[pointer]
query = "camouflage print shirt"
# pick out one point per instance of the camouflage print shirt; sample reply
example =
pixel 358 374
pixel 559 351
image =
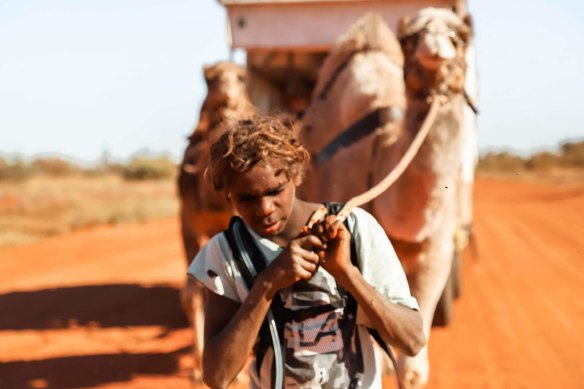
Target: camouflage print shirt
pixel 326 350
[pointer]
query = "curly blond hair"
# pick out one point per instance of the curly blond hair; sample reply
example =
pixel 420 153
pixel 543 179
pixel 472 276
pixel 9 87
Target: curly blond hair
pixel 261 140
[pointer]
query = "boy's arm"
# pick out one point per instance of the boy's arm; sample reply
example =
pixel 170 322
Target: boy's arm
pixel 230 333
pixel 400 326
pixel 397 324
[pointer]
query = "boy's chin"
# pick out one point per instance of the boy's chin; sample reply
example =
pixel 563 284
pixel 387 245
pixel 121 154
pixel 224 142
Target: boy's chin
pixel 271 230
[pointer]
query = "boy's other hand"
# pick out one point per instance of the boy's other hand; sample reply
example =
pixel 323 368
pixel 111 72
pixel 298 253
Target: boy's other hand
pixel 336 257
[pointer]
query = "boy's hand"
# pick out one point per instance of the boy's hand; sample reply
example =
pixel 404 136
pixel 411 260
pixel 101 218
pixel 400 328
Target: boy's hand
pixel 336 258
pixel 298 261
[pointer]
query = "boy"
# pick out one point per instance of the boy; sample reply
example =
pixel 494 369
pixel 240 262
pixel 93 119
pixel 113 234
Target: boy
pixel 258 164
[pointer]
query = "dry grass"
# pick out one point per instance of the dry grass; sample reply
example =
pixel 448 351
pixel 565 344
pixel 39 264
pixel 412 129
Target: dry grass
pixel 44 206
pixel 549 176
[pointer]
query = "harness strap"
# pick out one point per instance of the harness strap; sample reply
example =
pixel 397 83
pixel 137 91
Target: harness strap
pixel 328 86
pixel 364 126
pixel 471 103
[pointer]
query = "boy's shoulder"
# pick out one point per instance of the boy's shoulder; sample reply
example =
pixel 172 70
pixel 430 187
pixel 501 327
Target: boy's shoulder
pixel 362 214
pixel 362 217
pixel 214 246
pixel 356 212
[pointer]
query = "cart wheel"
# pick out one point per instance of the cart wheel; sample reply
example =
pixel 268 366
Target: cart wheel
pixel 443 312
pixel 455 274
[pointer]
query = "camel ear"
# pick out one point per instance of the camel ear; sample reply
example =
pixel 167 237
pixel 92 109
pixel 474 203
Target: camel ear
pixel 468 21
pixel 242 74
pixel 402 26
pixel 208 73
pixel 468 27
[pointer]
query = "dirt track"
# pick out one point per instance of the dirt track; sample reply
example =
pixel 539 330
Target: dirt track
pixel 99 308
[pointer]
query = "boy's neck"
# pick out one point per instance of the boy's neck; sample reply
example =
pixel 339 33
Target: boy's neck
pixel 301 212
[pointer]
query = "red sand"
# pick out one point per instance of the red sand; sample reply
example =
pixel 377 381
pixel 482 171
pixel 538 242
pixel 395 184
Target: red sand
pixel 99 308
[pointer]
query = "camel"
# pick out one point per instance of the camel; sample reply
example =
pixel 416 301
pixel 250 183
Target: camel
pixel 346 92
pixel 203 211
pixel 419 212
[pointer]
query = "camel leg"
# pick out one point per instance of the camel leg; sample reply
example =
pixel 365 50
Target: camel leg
pixel 192 295
pixel 193 302
pixel 427 284
pixel 198 321
pixel 191 247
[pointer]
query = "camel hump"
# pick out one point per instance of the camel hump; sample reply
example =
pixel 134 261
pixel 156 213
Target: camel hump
pixel 369 33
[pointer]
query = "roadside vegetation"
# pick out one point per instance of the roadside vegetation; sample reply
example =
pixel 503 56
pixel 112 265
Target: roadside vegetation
pixel 565 164
pixel 49 196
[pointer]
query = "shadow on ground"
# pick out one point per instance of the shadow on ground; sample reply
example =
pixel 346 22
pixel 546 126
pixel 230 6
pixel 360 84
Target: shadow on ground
pixel 116 305
pixel 87 371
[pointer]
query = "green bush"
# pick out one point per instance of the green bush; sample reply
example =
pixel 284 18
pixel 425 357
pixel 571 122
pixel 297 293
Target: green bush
pixel 143 167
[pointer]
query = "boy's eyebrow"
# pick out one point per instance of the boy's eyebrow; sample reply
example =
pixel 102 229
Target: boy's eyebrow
pixel 276 188
pixel 268 191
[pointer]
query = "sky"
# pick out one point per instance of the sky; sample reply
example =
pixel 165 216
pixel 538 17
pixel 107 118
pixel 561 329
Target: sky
pixel 83 78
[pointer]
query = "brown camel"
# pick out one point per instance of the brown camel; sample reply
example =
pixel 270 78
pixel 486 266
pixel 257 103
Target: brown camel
pixel 203 211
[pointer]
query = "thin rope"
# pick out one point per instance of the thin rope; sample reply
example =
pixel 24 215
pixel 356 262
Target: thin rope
pixel 393 175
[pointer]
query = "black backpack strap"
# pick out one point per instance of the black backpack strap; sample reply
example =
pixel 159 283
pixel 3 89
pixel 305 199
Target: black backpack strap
pixel 250 261
pixel 334 208
pixel 388 351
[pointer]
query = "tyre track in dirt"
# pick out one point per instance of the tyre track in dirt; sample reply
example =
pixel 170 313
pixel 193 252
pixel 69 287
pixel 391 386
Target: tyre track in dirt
pixel 99 308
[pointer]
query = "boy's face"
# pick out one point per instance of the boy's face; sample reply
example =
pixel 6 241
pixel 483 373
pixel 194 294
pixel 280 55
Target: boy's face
pixel 262 199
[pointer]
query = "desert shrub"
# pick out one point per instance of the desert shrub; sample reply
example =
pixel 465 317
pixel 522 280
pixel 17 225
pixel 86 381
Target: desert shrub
pixel 15 170
pixel 572 154
pixel 145 167
pixel 54 166
pixel 116 169
pixel 107 165
pixel 501 162
pixel 543 161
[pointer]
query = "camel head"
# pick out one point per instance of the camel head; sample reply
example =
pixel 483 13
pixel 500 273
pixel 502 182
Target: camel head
pixel 226 100
pixel 225 85
pixel 434 45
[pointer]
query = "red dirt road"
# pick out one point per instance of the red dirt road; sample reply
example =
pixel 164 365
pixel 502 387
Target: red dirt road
pixel 99 308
